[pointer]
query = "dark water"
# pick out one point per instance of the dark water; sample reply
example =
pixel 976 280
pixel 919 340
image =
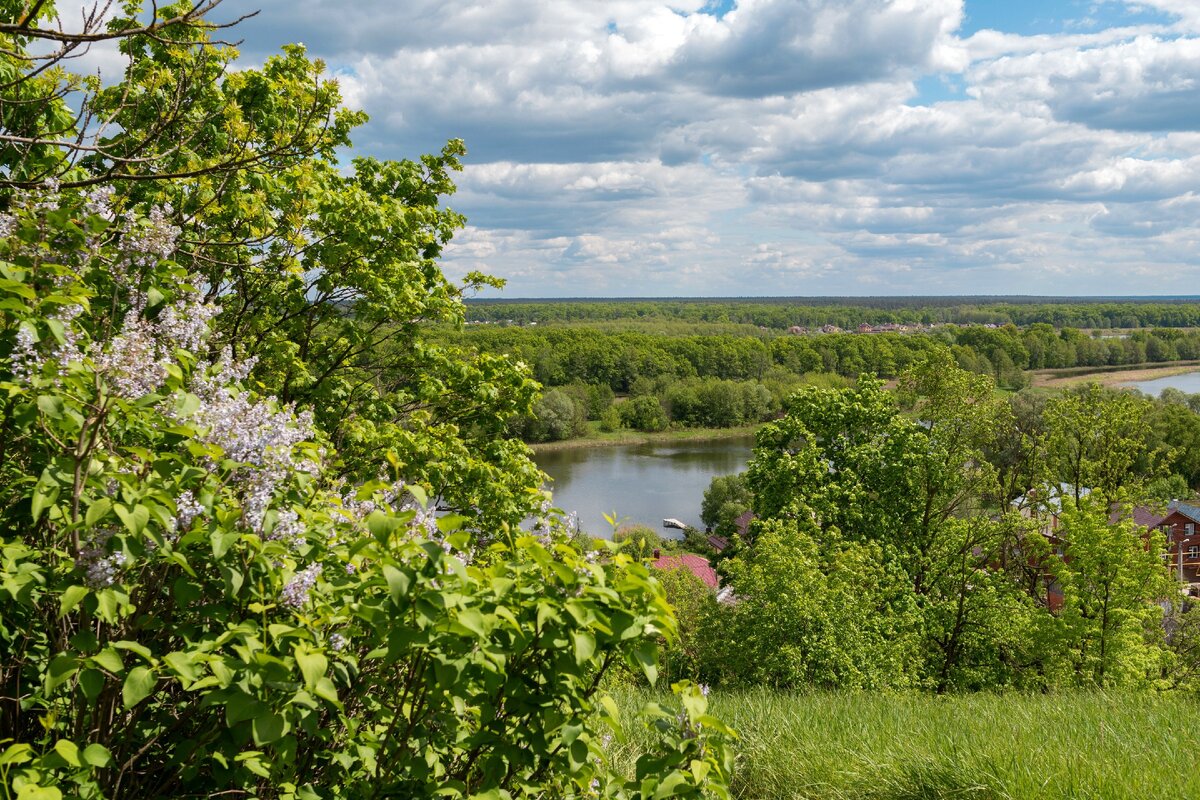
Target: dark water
pixel 1187 382
pixel 642 483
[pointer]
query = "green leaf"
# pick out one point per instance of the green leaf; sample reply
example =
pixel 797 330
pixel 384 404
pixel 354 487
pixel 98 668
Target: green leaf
pixel 92 683
pixel 97 511
pixel 97 755
pixel 135 519
pixel 70 598
pixel 138 686
pixel 269 727
pixel 62 667
pixel 585 646
pixel 109 659
pixel 312 666
pixel 51 405
pixel 68 750
pixel 645 655
pixel 182 666
pixel 398 582
pixel 16 754
pixel 472 620
pixel 31 792
pixel 222 541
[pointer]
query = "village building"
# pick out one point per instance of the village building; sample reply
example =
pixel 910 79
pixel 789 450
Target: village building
pixel 1183 540
pixel 698 566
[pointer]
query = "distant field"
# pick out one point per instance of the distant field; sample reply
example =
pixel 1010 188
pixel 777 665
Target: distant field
pixel 1093 746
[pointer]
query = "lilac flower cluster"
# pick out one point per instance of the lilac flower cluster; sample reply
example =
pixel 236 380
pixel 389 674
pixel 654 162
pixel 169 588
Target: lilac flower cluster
pixel 187 508
pixel 100 568
pixel 137 358
pixel 257 436
pixel 295 593
pixel 288 529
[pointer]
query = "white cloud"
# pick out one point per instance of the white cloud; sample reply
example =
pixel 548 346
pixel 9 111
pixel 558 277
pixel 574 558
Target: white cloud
pixel 789 147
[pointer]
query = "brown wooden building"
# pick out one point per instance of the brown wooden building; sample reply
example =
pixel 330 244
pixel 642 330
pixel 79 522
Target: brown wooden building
pixel 1181 526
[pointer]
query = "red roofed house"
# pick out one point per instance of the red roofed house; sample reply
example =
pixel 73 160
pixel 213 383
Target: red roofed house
pixel 697 565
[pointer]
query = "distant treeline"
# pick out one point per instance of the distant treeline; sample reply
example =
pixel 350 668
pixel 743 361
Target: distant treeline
pixel 845 312
pixel 676 379
pixel 618 359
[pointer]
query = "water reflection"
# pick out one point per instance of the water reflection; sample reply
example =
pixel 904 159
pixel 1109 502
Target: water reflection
pixel 642 483
pixel 1188 382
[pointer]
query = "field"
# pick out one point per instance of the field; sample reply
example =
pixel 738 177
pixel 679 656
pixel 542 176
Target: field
pixel 985 747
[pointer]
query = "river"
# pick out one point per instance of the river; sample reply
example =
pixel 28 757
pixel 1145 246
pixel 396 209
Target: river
pixel 642 483
pixel 1188 382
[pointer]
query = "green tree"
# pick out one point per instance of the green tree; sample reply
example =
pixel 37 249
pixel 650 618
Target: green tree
pixel 1109 630
pixel 643 413
pixel 1094 438
pixel 726 498
pixel 812 612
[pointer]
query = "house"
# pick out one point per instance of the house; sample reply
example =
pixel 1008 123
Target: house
pixel 1045 505
pixel 830 329
pixel 1183 540
pixel 797 330
pixel 865 328
pixel 742 523
pixel 698 566
pixel 717 543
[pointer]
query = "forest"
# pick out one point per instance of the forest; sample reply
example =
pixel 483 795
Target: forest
pixel 850 312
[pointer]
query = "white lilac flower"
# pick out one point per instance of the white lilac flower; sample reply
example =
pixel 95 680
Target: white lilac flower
pixel 288 529
pixel 295 593
pixel 256 436
pixel 100 568
pixel 337 641
pixel 133 360
pixel 68 350
pixel 137 358
pixel 25 359
pixel 184 323
pixel 187 509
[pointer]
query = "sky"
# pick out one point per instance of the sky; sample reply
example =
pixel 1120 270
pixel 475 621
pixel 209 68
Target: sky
pixel 787 147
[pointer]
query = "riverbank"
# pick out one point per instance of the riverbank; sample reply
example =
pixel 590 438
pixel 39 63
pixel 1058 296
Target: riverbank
pixel 598 438
pixel 1108 376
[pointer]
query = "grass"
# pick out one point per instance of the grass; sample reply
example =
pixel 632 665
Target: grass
pixel 984 747
pixel 599 438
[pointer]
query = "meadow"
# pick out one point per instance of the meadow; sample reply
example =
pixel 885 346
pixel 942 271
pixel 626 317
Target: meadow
pixel 847 746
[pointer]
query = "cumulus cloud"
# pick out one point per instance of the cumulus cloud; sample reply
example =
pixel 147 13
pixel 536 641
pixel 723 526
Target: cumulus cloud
pixel 634 147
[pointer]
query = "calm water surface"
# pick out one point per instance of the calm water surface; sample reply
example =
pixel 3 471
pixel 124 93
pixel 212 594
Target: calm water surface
pixel 1187 382
pixel 642 483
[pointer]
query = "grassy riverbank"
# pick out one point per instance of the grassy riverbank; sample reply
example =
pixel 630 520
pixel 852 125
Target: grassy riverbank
pixel 598 438
pixel 1108 376
pixel 982 746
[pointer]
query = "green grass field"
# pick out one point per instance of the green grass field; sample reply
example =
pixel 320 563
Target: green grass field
pixel 921 747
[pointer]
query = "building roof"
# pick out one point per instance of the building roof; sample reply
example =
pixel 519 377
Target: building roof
pixel 742 523
pixel 718 543
pixel 1142 516
pixel 1186 509
pixel 697 565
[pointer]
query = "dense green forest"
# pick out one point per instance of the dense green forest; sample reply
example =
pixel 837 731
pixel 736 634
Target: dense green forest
pixel 726 379
pixel 849 312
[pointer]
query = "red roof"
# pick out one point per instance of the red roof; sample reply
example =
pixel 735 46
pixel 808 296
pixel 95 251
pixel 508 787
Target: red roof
pixel 1143 516
pixel 697 565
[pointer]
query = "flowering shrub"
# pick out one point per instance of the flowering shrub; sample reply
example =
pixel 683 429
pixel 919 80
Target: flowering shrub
pixel 195 604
